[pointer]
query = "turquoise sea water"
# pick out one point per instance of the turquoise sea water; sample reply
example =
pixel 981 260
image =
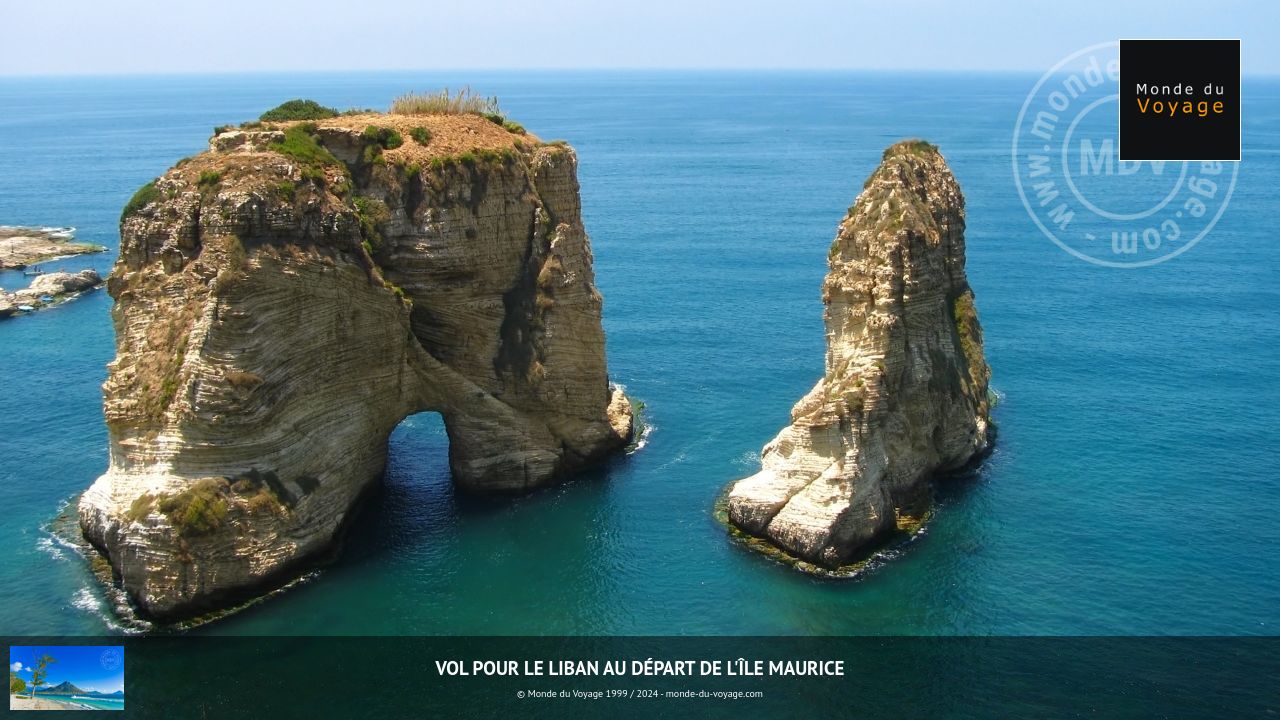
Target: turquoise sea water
pixel 92 703
pixel 1133 490
pixel 99 703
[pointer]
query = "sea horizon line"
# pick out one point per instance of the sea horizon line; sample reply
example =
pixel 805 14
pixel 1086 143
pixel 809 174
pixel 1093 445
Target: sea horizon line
pixel 620 70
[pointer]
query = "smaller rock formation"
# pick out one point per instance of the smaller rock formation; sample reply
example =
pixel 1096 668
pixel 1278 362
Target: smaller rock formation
pixel 904 396
pixel 47 289
pixel 23 246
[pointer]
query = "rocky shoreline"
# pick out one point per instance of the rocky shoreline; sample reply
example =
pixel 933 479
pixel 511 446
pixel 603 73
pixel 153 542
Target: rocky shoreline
pixel 46 290
pixel 21 247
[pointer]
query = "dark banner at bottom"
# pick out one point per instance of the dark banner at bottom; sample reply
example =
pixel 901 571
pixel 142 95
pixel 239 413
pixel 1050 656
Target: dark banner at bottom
pixel 624 677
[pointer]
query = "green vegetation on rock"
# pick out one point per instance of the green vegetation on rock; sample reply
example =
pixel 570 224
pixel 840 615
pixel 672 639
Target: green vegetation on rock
pixel 300 143
pixel 141 507
pixel 198 510
pixel 143 197
pixel 508 125
pixel 209 178
pixel 298 110
pixel 420 135
pixel 372 213
pixel 475 159
pixel 915 147
pixel 260 497
pixel 285 190
pixel 388 138
pixel 965 314
pixel 379 139
pixel 409 169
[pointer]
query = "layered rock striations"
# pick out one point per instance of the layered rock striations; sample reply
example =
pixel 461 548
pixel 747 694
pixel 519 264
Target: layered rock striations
pixel 905 393
pixel 284 300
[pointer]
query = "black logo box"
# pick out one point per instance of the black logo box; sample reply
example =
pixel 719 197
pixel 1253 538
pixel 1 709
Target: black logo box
pixel 1187 68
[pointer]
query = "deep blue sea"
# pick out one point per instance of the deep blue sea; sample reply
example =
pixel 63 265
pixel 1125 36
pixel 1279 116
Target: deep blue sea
pixel 1133 490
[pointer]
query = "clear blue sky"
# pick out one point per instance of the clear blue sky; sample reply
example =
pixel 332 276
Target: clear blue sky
pixel 82 665
pixel 154 36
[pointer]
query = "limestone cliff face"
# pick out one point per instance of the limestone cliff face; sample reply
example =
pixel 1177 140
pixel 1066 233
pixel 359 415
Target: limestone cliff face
pixel 904 396
pixel 284 300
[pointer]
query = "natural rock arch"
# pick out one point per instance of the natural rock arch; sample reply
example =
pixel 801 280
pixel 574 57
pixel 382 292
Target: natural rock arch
pixel 279 313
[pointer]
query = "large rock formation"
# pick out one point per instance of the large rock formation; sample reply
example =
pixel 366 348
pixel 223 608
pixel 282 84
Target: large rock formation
pixel 904 396
pixel 284 300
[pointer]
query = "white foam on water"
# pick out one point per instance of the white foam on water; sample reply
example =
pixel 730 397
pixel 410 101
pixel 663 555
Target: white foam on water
pixel 47 545
pixel 646 429
pixel 645 426
pixel 63 543
pixel 749 459
pixel 54 544
pixel 85 600
pixel 679 458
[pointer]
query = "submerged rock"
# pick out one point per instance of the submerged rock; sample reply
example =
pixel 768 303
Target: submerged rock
pixel 904 396
pixel 284 300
